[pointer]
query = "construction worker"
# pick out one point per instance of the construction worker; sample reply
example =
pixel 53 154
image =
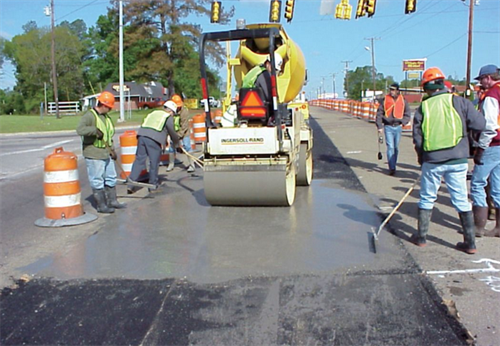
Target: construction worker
pixel 487 154
pixel 152 135
pixel 97 130
pixel 391 115
pixel 181 126
pixel 440 129
pixel 260 77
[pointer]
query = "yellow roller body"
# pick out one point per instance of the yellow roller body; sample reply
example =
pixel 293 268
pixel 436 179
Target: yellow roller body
pixel 254 52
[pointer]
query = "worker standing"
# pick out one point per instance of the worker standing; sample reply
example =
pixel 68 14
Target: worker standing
pixel 97 130
pixel 440 135
pixel 181 126
pixel 152 135
pixel 392 113
pixel 487 154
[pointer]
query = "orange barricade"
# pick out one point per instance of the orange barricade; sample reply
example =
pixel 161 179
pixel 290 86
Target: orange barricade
pixel 365 110
pixel 199 128
pixel 372 112
pixel 61 191
pixel 128 143
pixel 216 116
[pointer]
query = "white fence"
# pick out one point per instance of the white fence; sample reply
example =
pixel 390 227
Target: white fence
pixel 65 108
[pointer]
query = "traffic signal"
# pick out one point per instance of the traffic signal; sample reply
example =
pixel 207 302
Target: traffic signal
pixel 343 10
pixel 215 13
pixel 275 11
pixel 289 10
pixel 360 11
pixel 411 6
pixel 370 7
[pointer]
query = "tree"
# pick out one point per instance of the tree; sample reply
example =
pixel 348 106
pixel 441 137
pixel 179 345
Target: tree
pixel 30 54
pixel 2 54
pixel 160 40
pixel 361 79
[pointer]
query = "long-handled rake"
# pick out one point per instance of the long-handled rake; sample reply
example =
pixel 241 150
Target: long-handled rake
pixel 375 233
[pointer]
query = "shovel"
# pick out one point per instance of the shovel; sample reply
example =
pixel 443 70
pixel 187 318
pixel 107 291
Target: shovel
pixel 380 141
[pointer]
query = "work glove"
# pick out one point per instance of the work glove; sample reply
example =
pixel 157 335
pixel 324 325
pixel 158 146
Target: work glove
pixel 99 134
pixel 478 155
pixel 179 150
pixel 113 155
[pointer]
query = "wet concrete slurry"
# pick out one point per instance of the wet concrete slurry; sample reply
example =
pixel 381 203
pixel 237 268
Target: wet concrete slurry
pixel 171 270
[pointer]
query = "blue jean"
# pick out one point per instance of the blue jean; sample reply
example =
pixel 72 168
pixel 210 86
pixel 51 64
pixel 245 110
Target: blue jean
pixel 392 138
pixel 101 172
pixel 186 143
pixel 455 177
pixel 490 168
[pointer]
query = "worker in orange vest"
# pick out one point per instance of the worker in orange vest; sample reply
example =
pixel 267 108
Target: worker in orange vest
pixel 392 114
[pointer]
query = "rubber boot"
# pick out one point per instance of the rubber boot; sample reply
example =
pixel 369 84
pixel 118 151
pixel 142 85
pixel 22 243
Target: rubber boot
pixel 424 219
pixel 171 162
pixel 495 232
pixel 100 198
pixel 480 218
pixel 111 200
pixel 468 245
pixel 190 168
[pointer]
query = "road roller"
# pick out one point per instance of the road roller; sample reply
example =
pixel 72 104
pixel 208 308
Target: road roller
pixel 260 158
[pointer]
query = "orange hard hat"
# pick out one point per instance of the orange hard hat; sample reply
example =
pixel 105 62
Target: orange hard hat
pixel 178 100
pixel 107 99
pixel 432 73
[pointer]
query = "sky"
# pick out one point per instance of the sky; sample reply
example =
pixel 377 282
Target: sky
pixel 437 31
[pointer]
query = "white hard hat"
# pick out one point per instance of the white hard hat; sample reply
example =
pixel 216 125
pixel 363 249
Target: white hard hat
pixel 278 61
pixel 170 105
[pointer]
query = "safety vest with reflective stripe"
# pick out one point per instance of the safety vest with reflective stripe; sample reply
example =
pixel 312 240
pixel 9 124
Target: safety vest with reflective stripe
pixel 396 108
pixel 442 126
pixel 177 123
pixel 107 128
pixel 251 77
pixel 155 120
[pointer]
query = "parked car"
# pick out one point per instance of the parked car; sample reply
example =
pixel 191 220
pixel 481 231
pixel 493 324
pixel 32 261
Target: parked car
pixel 211 101
pixel 156 103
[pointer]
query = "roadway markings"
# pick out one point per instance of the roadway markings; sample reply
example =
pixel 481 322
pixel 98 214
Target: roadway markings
pixel 38 149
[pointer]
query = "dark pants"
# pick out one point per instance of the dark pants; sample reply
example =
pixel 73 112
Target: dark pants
pixel 146 147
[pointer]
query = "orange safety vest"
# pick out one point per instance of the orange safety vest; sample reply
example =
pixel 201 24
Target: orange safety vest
pixel 396 108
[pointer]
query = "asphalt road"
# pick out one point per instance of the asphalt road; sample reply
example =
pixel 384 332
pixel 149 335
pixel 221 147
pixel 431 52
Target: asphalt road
pixel 171 270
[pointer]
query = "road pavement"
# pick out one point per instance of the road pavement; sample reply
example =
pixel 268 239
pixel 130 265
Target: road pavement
pixel 171 270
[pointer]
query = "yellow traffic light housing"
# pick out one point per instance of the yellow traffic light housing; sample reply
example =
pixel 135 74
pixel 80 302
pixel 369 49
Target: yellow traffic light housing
pixel 275 11
pixel 411 6
pixel 289 10
pixel 370 7
pixel 343 10
pixel 360 11
pixel 215 12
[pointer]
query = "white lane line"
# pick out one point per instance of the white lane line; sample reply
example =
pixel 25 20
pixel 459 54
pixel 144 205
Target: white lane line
pixel 38 149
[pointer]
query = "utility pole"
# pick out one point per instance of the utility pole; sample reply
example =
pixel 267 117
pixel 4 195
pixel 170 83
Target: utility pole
pixel 345 76
pixel 53 49
pixel 469 47
pixel 333 77
pixel 373 63
pixel 122 104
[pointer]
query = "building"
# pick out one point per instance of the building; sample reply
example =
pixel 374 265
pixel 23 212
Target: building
pixel 139 96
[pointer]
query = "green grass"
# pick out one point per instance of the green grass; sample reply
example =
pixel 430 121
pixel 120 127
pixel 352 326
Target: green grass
pixel 35 123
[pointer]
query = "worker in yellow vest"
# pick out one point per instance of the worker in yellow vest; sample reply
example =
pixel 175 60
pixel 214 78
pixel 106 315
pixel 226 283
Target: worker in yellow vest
pixel 151 137
pixel 392 114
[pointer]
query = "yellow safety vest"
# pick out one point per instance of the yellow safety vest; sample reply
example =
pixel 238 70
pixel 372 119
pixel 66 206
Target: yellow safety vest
pixel 155 120
pixel 251 77
pixel 107 128
pixel 442 126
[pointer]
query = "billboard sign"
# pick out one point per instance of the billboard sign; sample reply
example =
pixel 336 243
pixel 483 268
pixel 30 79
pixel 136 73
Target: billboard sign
pixel 414 65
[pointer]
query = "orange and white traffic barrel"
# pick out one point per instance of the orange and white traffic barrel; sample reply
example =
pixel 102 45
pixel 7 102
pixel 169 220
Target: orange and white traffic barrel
pixel 61 191
pixel 128 144
pixel 199 128
pixel 191 135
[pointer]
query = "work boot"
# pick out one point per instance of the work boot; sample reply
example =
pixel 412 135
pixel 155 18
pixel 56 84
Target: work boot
pixel 495 232
pixel 111 198
pixel 468 245
pixel 190 168
pixel 171 162
pixel 100 198
pixel 424 218
pixel 480 218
